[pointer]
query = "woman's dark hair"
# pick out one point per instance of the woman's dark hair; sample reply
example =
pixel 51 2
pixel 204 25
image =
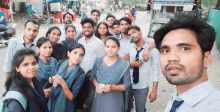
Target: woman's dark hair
pixel 97 32
pixel 87 20
pixel 70 25
pixel 51 29
pixel 16 78
pixel 127 19
pixel 64 16
pixel 205 34
pixel 75 46
pixel 42 40
pixel 112 38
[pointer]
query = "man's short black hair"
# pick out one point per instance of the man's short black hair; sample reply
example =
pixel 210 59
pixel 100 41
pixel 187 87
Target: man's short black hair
pixel 96 10
pixel 205 34
pixel 32 21
pixel 133 26
pixel 127 19
pixel 88 20
pixel 64 16
pixel 110 15
pixel 116 22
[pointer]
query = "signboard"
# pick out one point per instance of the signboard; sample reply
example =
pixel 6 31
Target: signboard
pixel 187 7
pixel 37 6
pixel 157 6
pixel 55 7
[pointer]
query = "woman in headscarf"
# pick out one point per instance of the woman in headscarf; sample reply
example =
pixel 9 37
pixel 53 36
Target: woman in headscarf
pixel 70 33
pixel 59 51
pixel 47 64
pixel 102 31
pixel 63 95
pixel 111 78
pixel 22 79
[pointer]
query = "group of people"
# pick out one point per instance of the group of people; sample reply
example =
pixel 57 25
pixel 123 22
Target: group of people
pixel 51 71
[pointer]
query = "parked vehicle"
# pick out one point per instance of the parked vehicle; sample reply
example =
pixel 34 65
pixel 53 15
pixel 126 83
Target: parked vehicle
pixel 7 33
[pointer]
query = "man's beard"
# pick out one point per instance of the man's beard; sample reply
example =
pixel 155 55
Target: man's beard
pixel 68 22
pixel 183 81
pixel 90 35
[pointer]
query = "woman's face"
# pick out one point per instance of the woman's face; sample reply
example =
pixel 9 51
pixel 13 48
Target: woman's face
pixel 76 55
pixel 111 48
pixel 54 36
pixel 70 33
pixel 102 29
pixel 28 67
pixel 45 49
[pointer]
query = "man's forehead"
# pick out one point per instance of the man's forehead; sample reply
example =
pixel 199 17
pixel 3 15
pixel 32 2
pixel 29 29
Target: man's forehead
pixel 123 21
pixel 95 13
pixel 109 18
pixel 87 24
pixel 175 37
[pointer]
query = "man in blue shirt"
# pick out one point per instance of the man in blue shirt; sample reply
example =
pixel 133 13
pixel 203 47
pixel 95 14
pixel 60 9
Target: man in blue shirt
pixel 31 29
pixel 140 70
pixel 185 44
pixel 3 19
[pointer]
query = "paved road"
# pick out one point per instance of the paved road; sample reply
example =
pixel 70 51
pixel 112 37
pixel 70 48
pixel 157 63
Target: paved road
pixel 165 90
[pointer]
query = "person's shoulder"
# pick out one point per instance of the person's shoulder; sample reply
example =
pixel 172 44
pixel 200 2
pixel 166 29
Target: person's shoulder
pixel 124 62
pixel 81 39
pixel 14 41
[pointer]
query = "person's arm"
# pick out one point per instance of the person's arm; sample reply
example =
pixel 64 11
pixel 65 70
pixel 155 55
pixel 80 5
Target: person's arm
pixel 8 58
pixel 155 68
pixel 121 87
pixel 62 82
pixel 14 106
pixel 151 44
pixel 2 18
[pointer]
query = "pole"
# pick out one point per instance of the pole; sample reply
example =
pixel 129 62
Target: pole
pixel 11 12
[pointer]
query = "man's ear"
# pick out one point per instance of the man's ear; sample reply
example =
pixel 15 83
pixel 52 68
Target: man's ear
pixel 207 59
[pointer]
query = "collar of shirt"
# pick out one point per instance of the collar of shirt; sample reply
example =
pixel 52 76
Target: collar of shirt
pixel 23 42
pixel 144 46
pixel 125 38
pixel 90 40
pixel 196 93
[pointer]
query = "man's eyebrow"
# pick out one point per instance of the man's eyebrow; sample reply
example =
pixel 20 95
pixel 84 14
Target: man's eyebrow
pixel 185 44
pixel 164 46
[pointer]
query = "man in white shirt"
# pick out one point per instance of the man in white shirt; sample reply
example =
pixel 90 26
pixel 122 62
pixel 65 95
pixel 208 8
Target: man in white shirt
pixel 93 46
pixel 185 44
pixel 125 41
pixel 140 70
pixel 31 29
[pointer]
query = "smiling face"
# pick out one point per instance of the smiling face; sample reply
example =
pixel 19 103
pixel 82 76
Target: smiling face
pixel 70 33
pixel 88 29
pixel 54 36
pixel 28 67
pixel 181 57
pixel 45 49
pixel 102 29
pixel 134 35
pixel 76 56
pixel 68 19
pixel 111 48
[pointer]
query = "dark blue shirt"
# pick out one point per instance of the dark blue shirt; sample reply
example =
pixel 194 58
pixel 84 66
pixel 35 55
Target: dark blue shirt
pixel 68 43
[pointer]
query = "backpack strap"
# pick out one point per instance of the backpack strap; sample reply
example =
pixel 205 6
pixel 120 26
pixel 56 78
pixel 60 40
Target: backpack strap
pixel 60 63
pixel 80 71
pixel 16 96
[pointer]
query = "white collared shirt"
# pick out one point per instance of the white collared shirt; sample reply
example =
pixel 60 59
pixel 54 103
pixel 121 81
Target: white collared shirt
pixel 94 48
pixel 13 46
pixel 124 46
pixel 201 98
pixel 144 70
